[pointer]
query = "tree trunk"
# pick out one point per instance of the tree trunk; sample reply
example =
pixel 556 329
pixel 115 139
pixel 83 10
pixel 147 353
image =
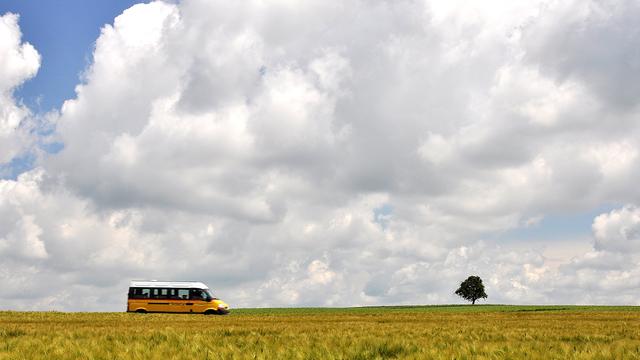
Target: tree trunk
pixel 473 302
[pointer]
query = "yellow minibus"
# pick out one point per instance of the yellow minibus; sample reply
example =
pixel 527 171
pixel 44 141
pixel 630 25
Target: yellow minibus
pixel 152 296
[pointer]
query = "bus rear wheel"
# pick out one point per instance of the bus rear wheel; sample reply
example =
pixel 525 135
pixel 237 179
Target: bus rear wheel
pixel 141 311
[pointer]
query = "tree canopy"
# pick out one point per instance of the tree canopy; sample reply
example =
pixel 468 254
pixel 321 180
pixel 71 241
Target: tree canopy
pixel 472 289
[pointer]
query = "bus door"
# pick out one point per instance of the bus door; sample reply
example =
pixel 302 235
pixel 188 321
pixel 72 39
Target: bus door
pixel 197 301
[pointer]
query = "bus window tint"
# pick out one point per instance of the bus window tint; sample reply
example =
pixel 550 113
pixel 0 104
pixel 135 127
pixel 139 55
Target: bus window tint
pixel 183 294
pixel 146 293
pixel 197 294
pixel 160 293
pixel 140 293
pixel 173 294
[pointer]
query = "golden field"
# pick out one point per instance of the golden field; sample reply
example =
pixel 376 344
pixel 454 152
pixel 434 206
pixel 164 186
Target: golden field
pixel 429 332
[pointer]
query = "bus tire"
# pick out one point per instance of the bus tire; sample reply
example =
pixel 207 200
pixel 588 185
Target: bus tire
pixel 141 311
pixel 210 312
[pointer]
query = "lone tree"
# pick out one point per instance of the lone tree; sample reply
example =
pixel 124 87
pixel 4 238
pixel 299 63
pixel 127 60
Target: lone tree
pixel 472 289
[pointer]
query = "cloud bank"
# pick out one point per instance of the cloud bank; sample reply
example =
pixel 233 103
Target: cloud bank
pixel 341 154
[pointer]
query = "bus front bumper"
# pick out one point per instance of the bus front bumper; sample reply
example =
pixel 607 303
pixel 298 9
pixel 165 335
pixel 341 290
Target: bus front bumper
pixel 223 311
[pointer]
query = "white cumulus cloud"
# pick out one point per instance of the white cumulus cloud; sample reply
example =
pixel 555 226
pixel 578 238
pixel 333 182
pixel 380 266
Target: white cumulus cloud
pixel 318 153
pixel 18 62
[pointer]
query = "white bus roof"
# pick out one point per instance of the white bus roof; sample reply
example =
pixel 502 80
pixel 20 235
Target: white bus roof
pixel 167 284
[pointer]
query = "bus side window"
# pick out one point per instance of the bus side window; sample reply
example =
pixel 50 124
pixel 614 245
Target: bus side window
pixel 139 293
pixel 197 294
pixel 144 293
pixel 155 293
pixel 173 294
pixel 183 294
pixel 164 293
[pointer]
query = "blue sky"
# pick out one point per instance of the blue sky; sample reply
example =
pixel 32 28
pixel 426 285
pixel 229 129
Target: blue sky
pixel 554 226
pixel 64 33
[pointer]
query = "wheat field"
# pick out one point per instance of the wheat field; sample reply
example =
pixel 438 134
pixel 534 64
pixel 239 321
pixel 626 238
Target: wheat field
pixel 428 332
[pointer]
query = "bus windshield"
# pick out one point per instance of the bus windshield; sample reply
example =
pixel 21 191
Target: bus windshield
pixel 209 295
